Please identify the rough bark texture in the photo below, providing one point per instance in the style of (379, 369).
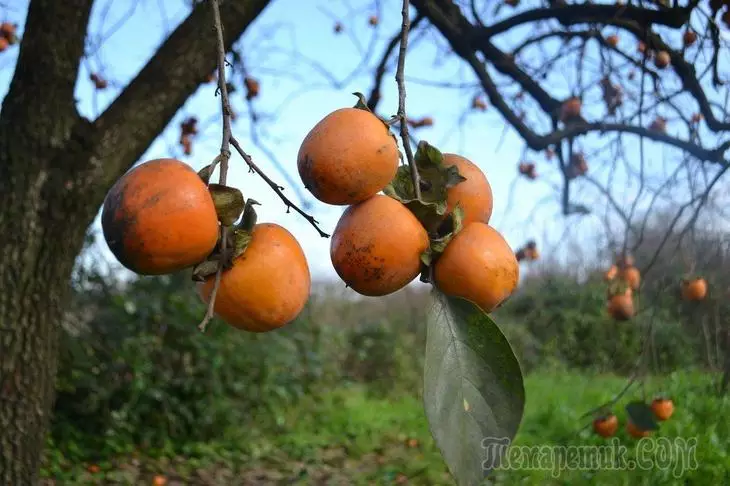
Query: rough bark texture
(55, 169)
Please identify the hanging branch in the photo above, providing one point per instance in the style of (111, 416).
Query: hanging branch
(400, 79)
(225, 154)
(223, 157)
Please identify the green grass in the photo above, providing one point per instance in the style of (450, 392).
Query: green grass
(346, 436)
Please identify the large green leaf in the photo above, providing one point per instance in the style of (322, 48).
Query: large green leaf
(473, 390)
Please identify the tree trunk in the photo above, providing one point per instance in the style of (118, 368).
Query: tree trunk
(55, 169)
(42, 232)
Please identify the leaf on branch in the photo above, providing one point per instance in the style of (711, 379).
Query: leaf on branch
(473, 389)
(641, 415)
(229, 203)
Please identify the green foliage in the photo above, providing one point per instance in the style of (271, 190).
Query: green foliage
(345, 435)
(135, 370)
(555, 318)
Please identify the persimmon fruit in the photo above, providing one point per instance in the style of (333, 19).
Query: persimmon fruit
(268, 285)
(159, 218)
(376, 246)
(631, 276)
(611, 273)
(694, 290)
(606, 426)
(7, 30)
(635, 432)
(4, 44)
(570, 109)
(478, 265)
(474, 195)
(348, 157)
(689, 37)
(612, 40)
(663, 408)
(621, 306)
(662, 59)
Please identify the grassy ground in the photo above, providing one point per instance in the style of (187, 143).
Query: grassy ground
(346, 436)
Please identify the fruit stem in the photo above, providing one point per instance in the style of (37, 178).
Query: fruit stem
(400, 80)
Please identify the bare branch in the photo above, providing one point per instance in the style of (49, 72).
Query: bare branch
(150, 101)
(225, 153)
(46, 71)
(400, 79)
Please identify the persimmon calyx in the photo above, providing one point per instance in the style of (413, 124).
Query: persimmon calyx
(435, 180)
(449, 228)
(229, 203)
(237, 240)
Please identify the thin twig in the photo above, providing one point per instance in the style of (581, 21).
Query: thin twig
(400, 79)
(276, 188)
(224, 156)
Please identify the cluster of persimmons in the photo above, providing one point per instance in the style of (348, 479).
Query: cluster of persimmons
(8, 36)
(162, 217)
(624, 279)
(384, 241)
(606, 425)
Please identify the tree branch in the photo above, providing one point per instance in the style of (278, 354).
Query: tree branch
(588, 13)
(400, 80)
(374, 97)
(47, 69)
(150, 101)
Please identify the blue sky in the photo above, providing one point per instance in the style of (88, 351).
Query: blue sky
(288, 48)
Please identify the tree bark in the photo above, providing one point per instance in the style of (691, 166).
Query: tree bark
(55, 169)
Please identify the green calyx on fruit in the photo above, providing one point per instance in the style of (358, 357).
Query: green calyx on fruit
(237, 239)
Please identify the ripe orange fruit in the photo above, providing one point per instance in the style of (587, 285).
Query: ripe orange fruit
(347, 157)
(4, 44)
(662, 59)
(93, 469)
(605, 426)
(694, 290)
(689, 37)
(268, 285)
(474, 195)
(159, 480)
(570, 109)
(376, 246)
(478, 265)
(611, 273)
(632, 276)
(635, 431)
(663, 408)
(621, 306)
(159, 218)
(612, 40)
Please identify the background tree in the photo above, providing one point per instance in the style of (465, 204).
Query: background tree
(646, 75)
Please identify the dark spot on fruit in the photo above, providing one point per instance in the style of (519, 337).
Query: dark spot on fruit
(116, 223)
(306, 165)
